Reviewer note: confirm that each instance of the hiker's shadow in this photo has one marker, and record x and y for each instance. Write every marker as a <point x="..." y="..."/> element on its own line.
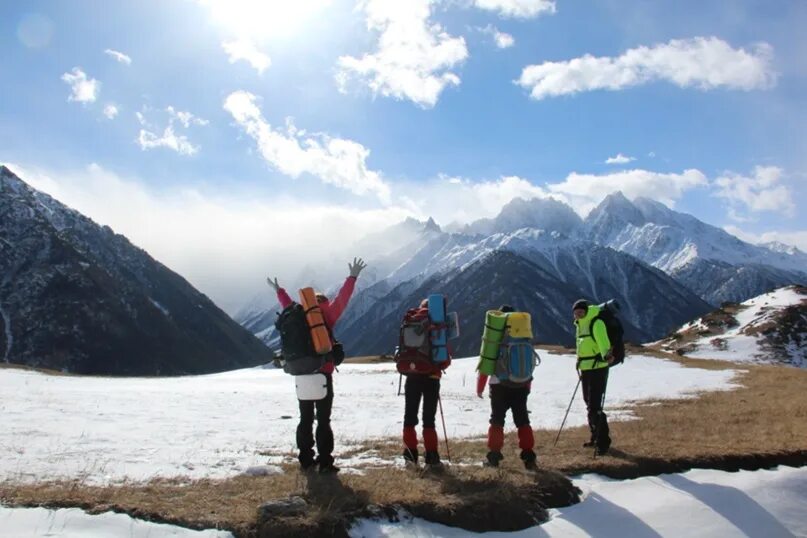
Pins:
<point x="596" y="514"/>
<point x="734" y="505"/>
<point x="329" y="493"/>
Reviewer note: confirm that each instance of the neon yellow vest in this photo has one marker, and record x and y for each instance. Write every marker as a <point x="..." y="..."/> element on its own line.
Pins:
<point x="592" y="342"/>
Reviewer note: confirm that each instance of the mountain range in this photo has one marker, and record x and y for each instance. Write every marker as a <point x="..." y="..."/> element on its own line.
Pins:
<point x="664" y="267"/>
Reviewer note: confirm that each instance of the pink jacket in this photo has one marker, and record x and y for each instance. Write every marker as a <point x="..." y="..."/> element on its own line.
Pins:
<point x="331" y="310"/>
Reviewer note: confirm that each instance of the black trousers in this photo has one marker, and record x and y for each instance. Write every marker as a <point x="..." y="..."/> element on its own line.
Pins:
<point x="419" y="387"/>
<point x="504" y="398"/>
<point x="305" y="429"/>
<point x="594" y="385"/>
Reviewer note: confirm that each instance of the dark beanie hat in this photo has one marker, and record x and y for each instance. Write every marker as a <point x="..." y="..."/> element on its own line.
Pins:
<point x="506" y="308"/>
<point x="582" y="304"/>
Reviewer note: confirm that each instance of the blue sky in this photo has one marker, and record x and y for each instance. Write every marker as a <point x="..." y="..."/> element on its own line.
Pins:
<point x="227" y="137"/>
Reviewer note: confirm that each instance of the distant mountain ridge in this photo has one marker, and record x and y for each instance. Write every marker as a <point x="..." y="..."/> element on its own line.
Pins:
<point x="716" y="265"/>
<point x="75" y="296"/>
<point x="665" y="268"/>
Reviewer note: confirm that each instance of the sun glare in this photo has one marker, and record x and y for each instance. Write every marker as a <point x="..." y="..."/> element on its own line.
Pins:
<point x="263" y="19"/>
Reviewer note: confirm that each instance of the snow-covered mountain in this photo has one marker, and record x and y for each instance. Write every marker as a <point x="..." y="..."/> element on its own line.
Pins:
<point x="77" y="297"/>
<point x="714" y="264"/>
<point x="540" y="213"/>
<point x="544" y="283"/>
<point x="769" y="328"/>
<point x="640" y="252"/>
<point x="385" y="251"/>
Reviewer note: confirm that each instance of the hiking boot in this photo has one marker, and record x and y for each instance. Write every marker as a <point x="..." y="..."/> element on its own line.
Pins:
<point x="328" y="468"/>
<point x="410" y="456"/>
<point x="602" y="448"/>
<point x="432" y="459"/>
<point x="530" y="460"/>
<point x="307" y="465"/>
<point x="493" y="459"/>
<point x="589" y="444"/>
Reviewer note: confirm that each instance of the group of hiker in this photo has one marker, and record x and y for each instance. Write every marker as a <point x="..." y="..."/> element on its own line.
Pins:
<point x="507" y="358"/>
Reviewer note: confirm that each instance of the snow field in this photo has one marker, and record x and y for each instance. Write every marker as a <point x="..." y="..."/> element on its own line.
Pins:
<point x="104" y="430"/>
<point x="700" y="502"/>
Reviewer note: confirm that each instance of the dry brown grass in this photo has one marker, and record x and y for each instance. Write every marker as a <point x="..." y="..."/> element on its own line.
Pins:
<point x="761" y="424"/>
<point x="232" y="504"/>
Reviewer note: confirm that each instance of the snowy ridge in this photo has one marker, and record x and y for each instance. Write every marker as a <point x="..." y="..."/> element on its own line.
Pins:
<point x="670" y="240"/>
<point x="768" y="328"/>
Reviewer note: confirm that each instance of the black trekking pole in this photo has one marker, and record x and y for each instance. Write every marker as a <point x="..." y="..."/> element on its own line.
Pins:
<point x="445" y="434"/>
<point x="567" y="412"/>
<point x="400" y="378"/>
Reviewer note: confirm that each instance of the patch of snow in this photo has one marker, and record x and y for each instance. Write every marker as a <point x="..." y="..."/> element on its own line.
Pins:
<point x="734" y="344"/>
<point x="220" y="425"/>
<point x="160" y="307"/>
<point x="75" y="523"/>
<point x="696" y="503"/>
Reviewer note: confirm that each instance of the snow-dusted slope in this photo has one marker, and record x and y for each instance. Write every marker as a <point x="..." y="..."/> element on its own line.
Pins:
<point x="696" y="503"/>
<point x="541" y="213"/>
<point x="670" y="240"/>
<point x="768" y="328"/>
<point x="712" y="263"/>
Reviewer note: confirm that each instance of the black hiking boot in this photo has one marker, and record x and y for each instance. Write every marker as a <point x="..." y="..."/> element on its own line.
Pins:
<point x="602" y="448"/>
<point x="328" y="468"/>
<point x="530" y="460"/>
<point x="589" y="444"/>
<point x="432" y="460"/>
<point x="410" y="457"/>
<point x="493" y="459"/>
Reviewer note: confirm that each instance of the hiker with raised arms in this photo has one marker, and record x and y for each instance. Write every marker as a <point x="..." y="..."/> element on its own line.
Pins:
<point x="331" y="311"/>
<point x="422" y="356"/>
<point x="508" y="371"/>
<point x="594" y="356"/>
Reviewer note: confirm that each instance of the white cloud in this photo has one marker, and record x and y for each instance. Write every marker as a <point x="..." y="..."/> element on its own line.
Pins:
<point x="83" y="89"/>
<point x="619" y="159"/>
<point x="502" y="39"/>
<point x="584" y="191"/>
<point x="797" y="239"/>
<point x="523" y="9"/>
<point x="223" y="243"/>
<point x="110" y="111"/>
<point x="470" y="199"/>
<point x="243" y="49"/>
<point x="414" y="55"/>
<point x="151" y="137"/>
<point x="119" y="56"/>
<point x="760" y="192"/>
<point x="703" y="62"/>
<point x="335" y="161"/>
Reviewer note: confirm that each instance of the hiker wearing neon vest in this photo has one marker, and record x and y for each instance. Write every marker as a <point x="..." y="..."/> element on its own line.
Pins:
<point x="331" y="311"/>
<point x="593" y="359"/>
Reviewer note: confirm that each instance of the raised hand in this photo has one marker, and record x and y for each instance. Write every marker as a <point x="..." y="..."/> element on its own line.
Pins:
<point x="356" y="267"/>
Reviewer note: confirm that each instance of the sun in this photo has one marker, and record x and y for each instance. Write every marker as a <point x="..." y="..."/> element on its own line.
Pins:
<point x="263" y="19"/>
